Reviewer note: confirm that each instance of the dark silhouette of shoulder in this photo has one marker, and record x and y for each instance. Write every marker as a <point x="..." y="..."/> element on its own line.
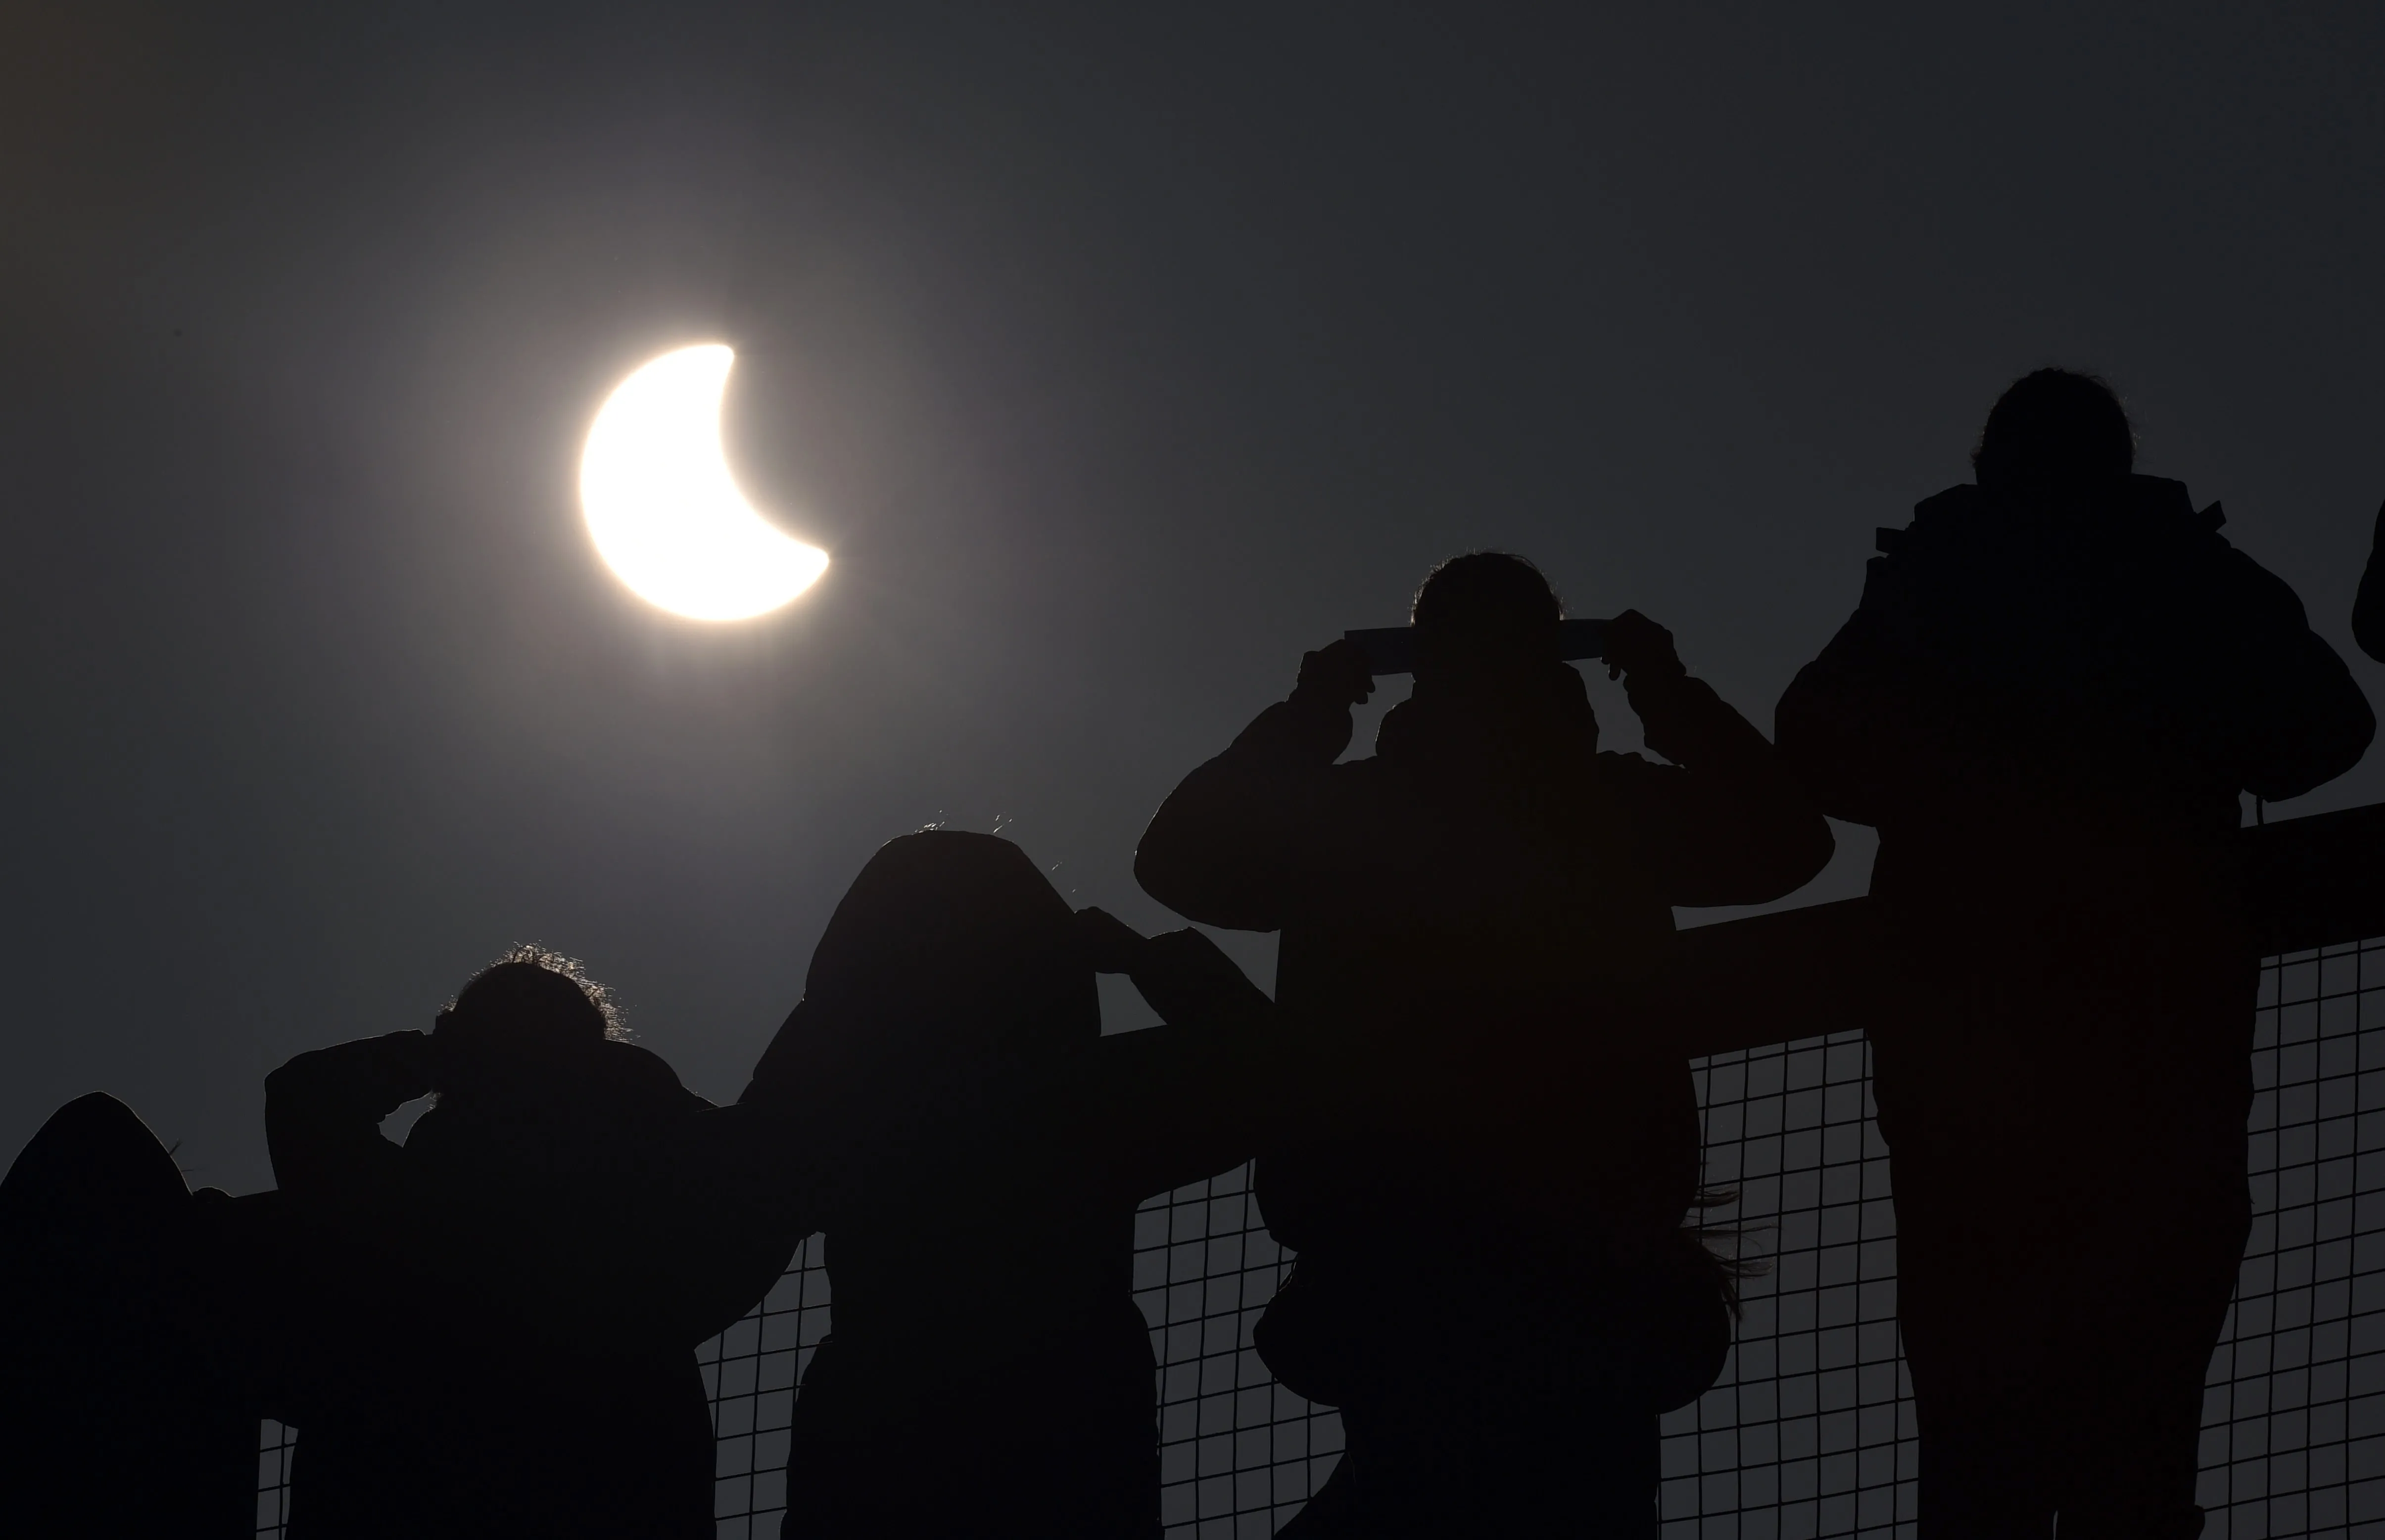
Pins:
<point x="2109" y="635"/>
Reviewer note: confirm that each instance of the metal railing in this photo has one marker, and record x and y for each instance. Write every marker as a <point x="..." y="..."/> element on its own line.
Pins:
<point x="1809" y="1430"/>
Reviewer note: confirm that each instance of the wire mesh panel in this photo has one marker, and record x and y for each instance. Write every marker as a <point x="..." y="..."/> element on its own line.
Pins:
<point x="2293" y="1419"/>
<point x="1809" y="1432"/>
<point x="751" y="1372"/>
<point x="1238" y="1453"/>
<point x="275" y="1443"/>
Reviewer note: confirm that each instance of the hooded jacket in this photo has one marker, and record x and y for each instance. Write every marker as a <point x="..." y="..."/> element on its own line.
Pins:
<point x="2042" y="693"/>
<point x="1475" y="928"/>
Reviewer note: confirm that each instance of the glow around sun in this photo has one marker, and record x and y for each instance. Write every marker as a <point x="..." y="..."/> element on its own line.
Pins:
<point x="666" y="513"/>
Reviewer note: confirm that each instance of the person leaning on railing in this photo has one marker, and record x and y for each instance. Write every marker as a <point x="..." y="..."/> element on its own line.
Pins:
<point x="1496" y="1284"/>
<point x="2058" y="682"/>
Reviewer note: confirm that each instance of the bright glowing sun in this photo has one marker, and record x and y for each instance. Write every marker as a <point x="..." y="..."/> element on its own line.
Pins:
<point x="663" y="507"/>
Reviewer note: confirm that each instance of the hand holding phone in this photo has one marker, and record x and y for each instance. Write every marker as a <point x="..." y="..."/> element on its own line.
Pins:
<point x="1391" y="649"/>
<point x="1338" y="672"/>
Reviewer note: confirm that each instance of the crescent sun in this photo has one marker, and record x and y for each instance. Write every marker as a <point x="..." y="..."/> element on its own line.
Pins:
<point x="664" y="509"/>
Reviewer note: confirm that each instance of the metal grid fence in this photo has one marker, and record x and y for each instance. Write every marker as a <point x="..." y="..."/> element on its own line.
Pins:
<point x="2293" y="1415"/>
<point x="1809" y="1432"/>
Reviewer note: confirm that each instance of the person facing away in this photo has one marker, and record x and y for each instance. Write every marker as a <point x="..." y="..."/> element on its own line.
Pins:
<point x="2059" y="680"/>
<point x="1494" y="1282"/>
<point x="502" y="1342"/>
<point x="982" y="1149"/>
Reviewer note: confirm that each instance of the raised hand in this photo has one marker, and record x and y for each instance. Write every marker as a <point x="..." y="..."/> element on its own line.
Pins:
<point x="1638" y="646"/>
<point x="1337" y="673"/>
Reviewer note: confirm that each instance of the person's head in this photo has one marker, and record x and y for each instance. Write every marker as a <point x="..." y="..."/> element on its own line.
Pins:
<point x="952" y="939"/>
<point x="529" y="1010"/>
<point x="1486" y="612"/>
<point x="2054" y="429"/>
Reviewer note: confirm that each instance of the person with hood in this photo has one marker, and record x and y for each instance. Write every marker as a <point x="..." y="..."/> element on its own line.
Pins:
<point x="2059" y="681"/>
<point x="501" y="1313"/>
<point x="979" y="1151"/>
<point x="1496" y="1284"/>
<point x="129" y="1391"/>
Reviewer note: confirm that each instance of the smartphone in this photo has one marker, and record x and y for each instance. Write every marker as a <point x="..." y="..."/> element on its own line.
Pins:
<point x="1391" y="649"/>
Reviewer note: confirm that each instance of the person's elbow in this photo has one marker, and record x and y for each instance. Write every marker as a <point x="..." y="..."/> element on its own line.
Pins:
<point x="2324" y="747"/>
<point x="1789" y="854"/>
<point x="1197" y="861"/>
<point x="1198" y="880"/>
<point x="292" y="1096"/>
<point x="1166" y="866"/>
<point x="1806" y="847"/>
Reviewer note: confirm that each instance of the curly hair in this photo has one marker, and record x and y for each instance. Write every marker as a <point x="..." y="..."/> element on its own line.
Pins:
<point x="506" y="976"/>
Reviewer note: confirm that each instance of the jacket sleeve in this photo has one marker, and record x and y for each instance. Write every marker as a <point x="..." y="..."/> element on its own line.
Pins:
<point x="2301" y="719"/>
<point x="1203" y="1091"/>
<point x="1856" y="722"/>
<point x="701" y="1233"/>
<point x="323" y="1112"/>
<point x="1738" y="827"/>
<point x="1227" y="846"/>
<point x="1176" y="1103"/>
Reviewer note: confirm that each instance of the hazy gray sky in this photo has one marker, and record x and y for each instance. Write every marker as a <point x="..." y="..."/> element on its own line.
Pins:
<point x="1118" y="354"/>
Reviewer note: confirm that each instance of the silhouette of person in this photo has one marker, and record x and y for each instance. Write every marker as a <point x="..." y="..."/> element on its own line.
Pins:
<point x="2368" y="607"/>
<point x="1494" y="1282"/>
<point x="982" y="1151"/>
<point x="509" y="1300"/>
<point x="2057" y="682"/>
<point x="121" y="1411"/>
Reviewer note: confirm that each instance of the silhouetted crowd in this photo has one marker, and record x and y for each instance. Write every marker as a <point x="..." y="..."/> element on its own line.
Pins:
<point x="1471" y="1109"/>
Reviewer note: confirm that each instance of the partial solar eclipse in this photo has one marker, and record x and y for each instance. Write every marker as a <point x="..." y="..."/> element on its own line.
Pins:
<point x="663" y="507"/>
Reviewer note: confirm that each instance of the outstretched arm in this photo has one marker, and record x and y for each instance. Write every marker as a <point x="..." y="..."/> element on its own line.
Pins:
<point x="1740" y="828"/>
<point x="1181" y="974"/>
<point x="1225" y="848"/>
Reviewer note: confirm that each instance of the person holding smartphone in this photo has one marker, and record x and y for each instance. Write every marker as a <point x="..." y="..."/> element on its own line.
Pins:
<point x="1490" y="1200"/>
